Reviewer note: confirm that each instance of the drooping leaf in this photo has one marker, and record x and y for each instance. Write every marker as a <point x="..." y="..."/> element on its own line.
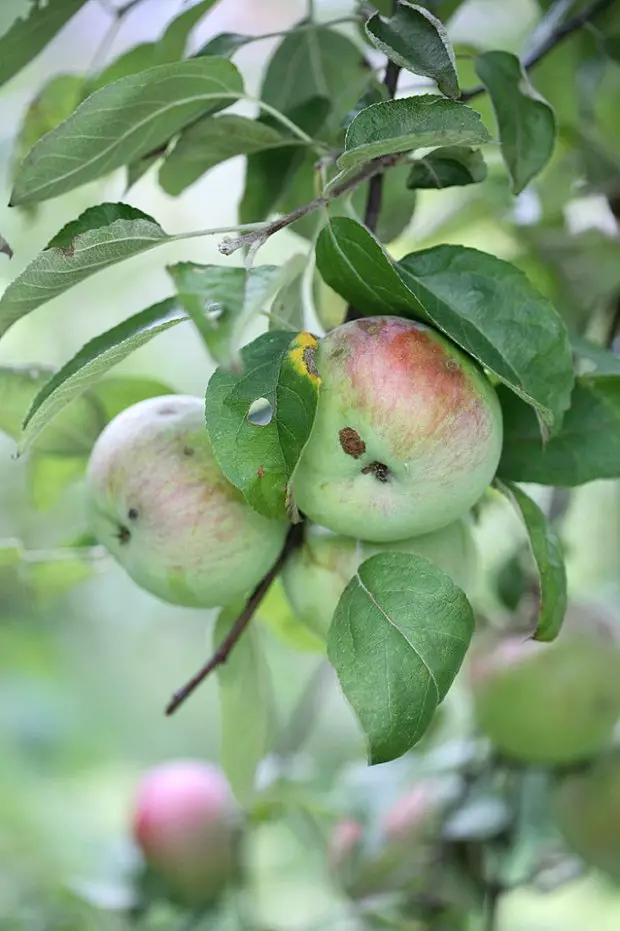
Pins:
<point x="486" y="305"/>
<point x="29" y="34"/>
<point x="525" y="122"/>
<point x="451" y="166"/>
<point x="214" y="140"/>
<point x="100" y="237"/>
<point x="222" y="301"/>
<point x="259" y="420"/>
<point x="94" y="360"/>
<point x="123" y="121"/>
<point x="547" y="552"/>
<point x="586" y="448"/>
<point x="246" y="706"/>
<point x="397" y="640"/>
<point x="410" y="123"/>
<point x="416" y="40"/>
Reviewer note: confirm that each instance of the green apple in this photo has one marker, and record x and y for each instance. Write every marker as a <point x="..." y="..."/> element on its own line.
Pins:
<point x="407" y="434"/>
<point x="316" y="574"/>
<point x="187" y="825"/>
<point x="553" y="703"/>
<point x="162" y="507"/>
<point x="586" y="809"/>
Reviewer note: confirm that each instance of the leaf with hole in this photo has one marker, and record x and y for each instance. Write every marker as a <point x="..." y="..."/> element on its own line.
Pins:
<point x="526" y="122"/>
<point x="222" y="301"/>
<point x="547" y="552"/>
<point x="247" y="708"/>
<point x="409" y="123"/>
<point x="397" y="640"/>
<point x="416" y="40"/>
<point x="94" y="360"/>
<point x="452" y="166"/>
<point x="29" y="34"/>
<point x="212" y="141"/>
<point x="587" y="447"/>
<point x="100" y="237"/>
<point x="259" y="419"/>
<point x="121" y="122"/>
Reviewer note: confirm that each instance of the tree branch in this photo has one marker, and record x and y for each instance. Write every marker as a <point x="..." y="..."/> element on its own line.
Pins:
<point x="563" y="31"/>
<point x="293" y="541"/>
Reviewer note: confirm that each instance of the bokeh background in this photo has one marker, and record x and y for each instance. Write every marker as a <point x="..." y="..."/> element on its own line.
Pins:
<point x="86" y="671"/>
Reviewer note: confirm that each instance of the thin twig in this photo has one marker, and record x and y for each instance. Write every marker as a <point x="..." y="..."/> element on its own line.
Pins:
<point x="293" y="540"/>
<point x="563" y="31"/>
<point x="369" y="170"/>
<point x="491" y="903"/>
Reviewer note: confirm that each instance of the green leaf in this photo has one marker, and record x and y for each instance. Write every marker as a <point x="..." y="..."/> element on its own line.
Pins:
<point x="94" y="360"/>
<point x="100" y="237"/>
<point x="410" y="123"/>
<point x="54" y="102"/>
<point x="246" y="706"/>
<point x="50" y="476"/>
<point x="278" y="379"/>
<point x="212" y="141"/>
<point x="587" y="447"/>
<point x="139" y="58"/>
<point x="5" y="248"/>
<point x="287" y="309"/>
<point x="485" y="305"/>
<point x="225" y="44"/>
<point x="72" y="434"/>
<point x="222" y="301"/>
<point x="29" y="35"/>
<point x="398" y="203"/>
<point x="276" y="613"/>
<point x="397" y="640"/>
<point x="416" y="40"/>
<point x="547" y="552"/>
<point x="593" y="359"/>
<point x="452" y="166"/>
<point x="526" y="122"/>
<point x="173" y="43"/>
<point x="123" y="121"/>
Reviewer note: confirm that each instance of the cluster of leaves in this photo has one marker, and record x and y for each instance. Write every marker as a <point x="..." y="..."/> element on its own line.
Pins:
<point x="326" y="126"/>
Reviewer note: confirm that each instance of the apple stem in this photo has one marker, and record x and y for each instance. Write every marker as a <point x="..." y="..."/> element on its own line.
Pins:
<point x="293" y="540"/>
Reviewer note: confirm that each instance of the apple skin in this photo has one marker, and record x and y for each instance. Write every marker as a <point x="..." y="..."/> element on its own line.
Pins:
<point x="554" y="703"/>
<point x="315" y="576"/>
<point x="188" y="827"/>
<point x="407" y="435"/>
<point x="586" y="809"/>
<point x="160" y="504"/>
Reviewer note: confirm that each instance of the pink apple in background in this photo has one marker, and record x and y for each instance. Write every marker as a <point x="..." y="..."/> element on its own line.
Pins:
<point x="161" y="505"/>
<point x="407" y="436"/>
<point x="187" y="826"/>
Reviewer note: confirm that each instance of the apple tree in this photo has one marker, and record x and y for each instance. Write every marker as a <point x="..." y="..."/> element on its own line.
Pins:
<point x="338" y="460"/>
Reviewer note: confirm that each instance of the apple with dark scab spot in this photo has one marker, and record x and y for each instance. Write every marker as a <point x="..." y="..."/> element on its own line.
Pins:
<point x="188" y="827"/>
<point x="161" y="505"/>
<point x="407" y="434"/>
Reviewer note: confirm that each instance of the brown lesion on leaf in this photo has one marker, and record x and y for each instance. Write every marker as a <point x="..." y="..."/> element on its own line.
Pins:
<point x="132" y="514"/>
<point x="308" y="355"/>
<point x="68" y="251"/>
<point x="380" y="471"/>
<point x="123" y="534"/>
<point x="351" y="442"/>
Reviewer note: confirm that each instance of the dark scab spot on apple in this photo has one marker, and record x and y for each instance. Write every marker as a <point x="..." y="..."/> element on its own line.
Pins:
<point x="309" y="354"/>
<point x="166" y="411"/>
<point x="380" y="471"/>
<point x="452" y="365"/>
<point x="123" y="534"/>
<point x="188" y="451"/>
<point x="372" y="327"/>
<point x="132" y="513"/>
<point x="351" y="442"/>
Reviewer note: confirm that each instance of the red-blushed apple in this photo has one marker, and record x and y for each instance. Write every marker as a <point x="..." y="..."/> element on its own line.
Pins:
<point x="188" y="827"/>
<point x="407" y="435"/>
<point x="161" y="505"/>
<point x="317" y="573"/>
<point x="586" y="809"/>
<point x="554" y="703"/>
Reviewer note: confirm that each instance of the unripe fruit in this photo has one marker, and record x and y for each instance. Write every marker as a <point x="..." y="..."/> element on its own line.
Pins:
<point x="163" y="508"/>
<point x="551" y="703"/>
<point x="345" y="839"/>
<point x="413" y="818"/>
<point x="316" y="574"/>
<point x="187" y="825"/>
<point x="407" y="435"/>
<point x="586" y="808"/>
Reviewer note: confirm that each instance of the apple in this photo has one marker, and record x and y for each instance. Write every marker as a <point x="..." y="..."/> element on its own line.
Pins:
<point x="162" y="507"/>
<point x="407" y="434"/>
<point x="586" y="809"/>
<point x="554" y="703"/>
<point x="187" y="826"/>
<point x="316" y="574"/>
